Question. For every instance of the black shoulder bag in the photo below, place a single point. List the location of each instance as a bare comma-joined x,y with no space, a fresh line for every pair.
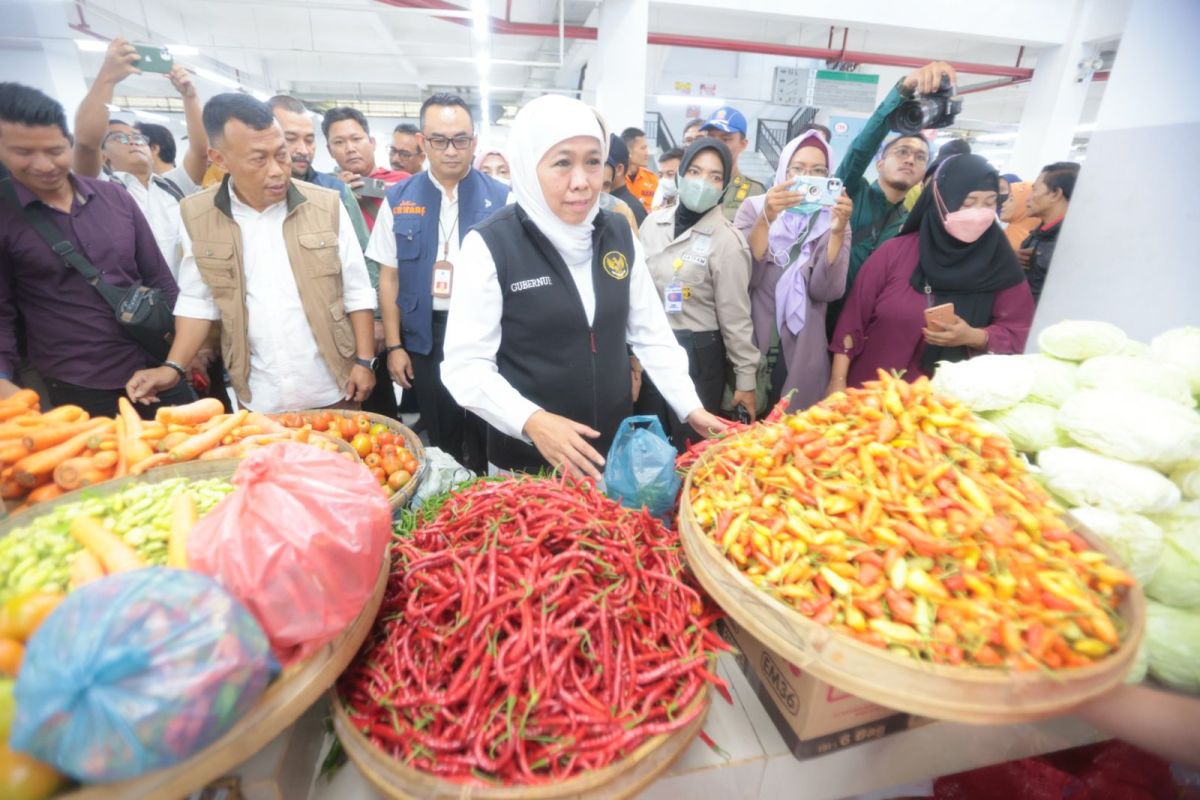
143,312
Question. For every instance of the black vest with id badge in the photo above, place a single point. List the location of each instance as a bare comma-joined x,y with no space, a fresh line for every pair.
547,351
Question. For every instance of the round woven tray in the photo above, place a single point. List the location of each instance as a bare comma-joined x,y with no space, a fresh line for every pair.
962,694
622,779
403,497
288,696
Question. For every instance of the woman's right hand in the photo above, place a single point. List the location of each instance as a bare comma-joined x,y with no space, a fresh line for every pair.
561,443
780,197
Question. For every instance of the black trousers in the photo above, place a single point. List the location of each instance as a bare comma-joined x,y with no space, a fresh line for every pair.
103,402
450,428
706,367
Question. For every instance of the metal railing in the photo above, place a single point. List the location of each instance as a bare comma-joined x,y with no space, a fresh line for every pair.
800,120
658,132
770,137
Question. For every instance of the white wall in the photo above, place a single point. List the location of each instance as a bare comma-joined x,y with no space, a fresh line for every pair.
1128,255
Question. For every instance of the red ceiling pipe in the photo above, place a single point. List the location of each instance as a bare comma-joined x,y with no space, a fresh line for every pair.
550,30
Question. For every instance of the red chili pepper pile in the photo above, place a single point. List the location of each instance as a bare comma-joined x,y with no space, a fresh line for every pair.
532,630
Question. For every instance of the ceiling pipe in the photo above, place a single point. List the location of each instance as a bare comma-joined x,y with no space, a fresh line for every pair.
501,26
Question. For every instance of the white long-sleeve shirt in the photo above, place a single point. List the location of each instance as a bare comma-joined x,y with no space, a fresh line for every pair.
469,369
287,371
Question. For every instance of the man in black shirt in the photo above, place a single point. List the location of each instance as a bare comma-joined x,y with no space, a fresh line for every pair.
618,162
1049,201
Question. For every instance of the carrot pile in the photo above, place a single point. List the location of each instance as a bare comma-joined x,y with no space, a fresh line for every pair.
889,515
532,629
45,455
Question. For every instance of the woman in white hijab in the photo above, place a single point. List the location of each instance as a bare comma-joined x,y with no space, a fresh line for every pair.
551,295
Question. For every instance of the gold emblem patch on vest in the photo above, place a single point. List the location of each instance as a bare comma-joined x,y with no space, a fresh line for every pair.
616,265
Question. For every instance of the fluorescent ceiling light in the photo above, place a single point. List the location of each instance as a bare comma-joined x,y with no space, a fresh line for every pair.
182,50
997,137
217,78
479,19
256,94
91,45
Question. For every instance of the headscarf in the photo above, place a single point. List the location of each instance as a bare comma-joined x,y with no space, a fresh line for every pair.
1019,194
790,229
1021,224
482,156
967,275
685,218
539,126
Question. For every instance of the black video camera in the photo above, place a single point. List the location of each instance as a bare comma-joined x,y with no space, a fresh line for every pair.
937,110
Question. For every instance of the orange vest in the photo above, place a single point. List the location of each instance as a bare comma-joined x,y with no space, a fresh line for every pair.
643,187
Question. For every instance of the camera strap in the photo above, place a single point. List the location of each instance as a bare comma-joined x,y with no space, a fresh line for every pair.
877,227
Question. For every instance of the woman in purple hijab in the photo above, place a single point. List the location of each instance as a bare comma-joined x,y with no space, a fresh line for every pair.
801,256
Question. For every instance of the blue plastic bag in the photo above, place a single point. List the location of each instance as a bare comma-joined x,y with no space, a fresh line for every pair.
137,671
640,470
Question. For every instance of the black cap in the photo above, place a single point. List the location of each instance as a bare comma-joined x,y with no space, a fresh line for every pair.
618,153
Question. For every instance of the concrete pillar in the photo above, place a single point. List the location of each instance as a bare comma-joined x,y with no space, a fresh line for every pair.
1126,253
617,72
1055,101
33,58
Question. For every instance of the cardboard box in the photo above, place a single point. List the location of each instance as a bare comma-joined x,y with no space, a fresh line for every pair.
813,717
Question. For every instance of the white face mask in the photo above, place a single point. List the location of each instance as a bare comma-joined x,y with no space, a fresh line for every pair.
669,188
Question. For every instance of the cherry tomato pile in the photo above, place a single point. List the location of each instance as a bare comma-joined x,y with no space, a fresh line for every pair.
382,450
886,513
532,630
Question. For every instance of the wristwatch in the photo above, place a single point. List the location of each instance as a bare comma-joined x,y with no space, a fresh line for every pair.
369,363
177,367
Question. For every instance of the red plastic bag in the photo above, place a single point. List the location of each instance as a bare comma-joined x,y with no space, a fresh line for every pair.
299,542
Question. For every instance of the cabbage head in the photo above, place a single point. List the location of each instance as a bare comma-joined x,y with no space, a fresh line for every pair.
1177,580
985,383
1082,478
1173,636
1137,541
1180,347
1053,379
1031,426
1139,374
1187,477
1132,426
1079,340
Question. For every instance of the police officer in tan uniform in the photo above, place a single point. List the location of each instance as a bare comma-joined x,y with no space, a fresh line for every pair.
729,126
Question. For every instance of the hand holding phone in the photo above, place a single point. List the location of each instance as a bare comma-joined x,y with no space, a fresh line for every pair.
943,314
371,187
816,192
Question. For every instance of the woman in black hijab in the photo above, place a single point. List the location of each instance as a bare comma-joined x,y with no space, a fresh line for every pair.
701,267
950,256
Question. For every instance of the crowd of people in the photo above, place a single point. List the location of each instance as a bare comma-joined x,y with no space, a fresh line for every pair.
527,299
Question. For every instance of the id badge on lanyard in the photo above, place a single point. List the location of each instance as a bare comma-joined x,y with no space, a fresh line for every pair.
443,276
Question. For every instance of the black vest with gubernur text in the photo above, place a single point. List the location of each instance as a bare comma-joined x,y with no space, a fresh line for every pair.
548,352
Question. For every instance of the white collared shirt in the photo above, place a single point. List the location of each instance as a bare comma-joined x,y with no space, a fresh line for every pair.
287,371
469,370
161,209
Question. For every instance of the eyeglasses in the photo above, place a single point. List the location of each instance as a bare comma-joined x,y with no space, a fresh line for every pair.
460,142
801,172
404,153
902,153
127,138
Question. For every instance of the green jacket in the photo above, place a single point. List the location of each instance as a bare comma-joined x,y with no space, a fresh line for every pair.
874,220
350,202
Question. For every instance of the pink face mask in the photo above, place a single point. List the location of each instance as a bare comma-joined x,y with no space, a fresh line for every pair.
966,224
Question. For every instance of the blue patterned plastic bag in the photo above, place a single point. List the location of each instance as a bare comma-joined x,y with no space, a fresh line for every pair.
640,469
137,671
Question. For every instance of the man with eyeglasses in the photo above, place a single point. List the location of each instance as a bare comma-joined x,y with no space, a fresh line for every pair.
879,210
124,152
406,153
430,213
349,139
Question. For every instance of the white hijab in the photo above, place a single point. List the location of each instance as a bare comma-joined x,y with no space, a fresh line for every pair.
539,126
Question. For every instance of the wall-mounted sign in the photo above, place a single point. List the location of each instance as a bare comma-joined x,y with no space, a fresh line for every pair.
844,91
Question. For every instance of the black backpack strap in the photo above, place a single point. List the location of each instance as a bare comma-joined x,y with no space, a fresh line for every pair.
169,186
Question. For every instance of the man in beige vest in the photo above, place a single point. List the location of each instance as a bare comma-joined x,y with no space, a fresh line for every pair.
276,261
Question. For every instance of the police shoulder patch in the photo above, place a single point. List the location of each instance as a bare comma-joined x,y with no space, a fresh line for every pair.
616,265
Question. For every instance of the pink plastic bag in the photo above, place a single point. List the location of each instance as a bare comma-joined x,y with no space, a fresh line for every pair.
299,542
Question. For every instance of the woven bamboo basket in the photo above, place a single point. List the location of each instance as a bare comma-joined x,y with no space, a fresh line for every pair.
403,497
289,696
961,694
622,779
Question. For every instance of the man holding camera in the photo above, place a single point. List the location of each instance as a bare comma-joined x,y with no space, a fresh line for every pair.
349,139
879,206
